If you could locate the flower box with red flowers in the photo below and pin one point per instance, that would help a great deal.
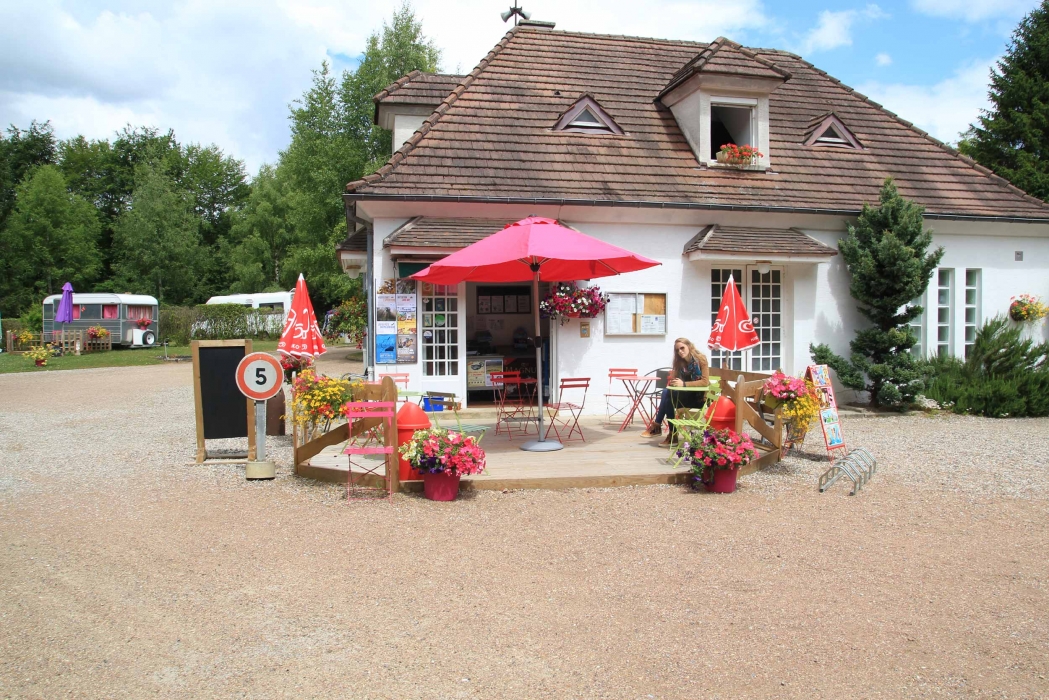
(143, 323)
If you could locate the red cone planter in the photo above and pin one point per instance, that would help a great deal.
(440, 486)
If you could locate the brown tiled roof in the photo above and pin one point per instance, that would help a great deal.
(356, 242)
(727, 58)
(490, 140)
(419, 88)
(739, 240)
(427, 232)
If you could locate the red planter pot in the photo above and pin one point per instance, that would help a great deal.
(41, 363)
(723, 481)
(440, 486)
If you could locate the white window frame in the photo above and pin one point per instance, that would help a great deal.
(919, 350)
(975, 306)
(944, 347)
(736, 102)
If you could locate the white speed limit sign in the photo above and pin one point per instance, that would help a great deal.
(259, 376)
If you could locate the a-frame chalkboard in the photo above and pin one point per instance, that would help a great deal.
(222, 411)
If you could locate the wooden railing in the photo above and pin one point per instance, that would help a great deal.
(68, 342)
(303, 448)
(745, 390)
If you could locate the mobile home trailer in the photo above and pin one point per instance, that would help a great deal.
(120, 314)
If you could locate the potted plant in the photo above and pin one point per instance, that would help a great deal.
(317, 400)
(97, 333)
(1027, 308)
(796, 402)
(731, 154)
(565, 301)
(143, 323)
(443, 456)
(41, 354)
(291, 364)
(715, 458)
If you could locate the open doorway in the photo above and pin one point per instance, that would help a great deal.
(499, 330)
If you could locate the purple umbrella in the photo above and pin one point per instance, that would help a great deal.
(64, 314)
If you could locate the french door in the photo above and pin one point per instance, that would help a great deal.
(763, 295)
(441, 329)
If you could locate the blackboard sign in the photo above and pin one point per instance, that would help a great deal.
(222, 411)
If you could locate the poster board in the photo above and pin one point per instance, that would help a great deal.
(636, 313)
(221, 409)
(396, 322)
(819, 375)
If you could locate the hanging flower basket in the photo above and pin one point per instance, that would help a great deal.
(1027, 308)
(566, 301)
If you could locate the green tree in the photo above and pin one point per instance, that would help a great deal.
(261, 236)
(49, 238)
(20, 151)
(886, 254)
(400, 49)
(1012, 138)
(157, 242)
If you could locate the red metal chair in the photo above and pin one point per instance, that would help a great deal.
(357, 482)
(513, 408)
(565, 414)
(617, 401)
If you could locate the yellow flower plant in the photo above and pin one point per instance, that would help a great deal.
(317, 400)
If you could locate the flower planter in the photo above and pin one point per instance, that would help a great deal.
(440, 486)
(41, 363)
(721, 481)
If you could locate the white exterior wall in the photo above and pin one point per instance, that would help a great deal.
(817, 306)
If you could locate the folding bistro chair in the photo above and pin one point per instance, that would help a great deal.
(401, 380)
(564, 414)
(617, 401)
(357, 481)
(655, 393)
(691, 422)
(440, 402)
(512, 412)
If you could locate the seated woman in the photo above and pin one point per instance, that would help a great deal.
(690, 368)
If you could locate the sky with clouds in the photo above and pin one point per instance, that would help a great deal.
(225, 72)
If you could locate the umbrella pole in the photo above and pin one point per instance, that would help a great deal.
(540, 445)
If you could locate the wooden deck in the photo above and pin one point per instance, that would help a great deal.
(607, 458)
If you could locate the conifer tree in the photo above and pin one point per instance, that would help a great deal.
(886, 254)
(1012, 138)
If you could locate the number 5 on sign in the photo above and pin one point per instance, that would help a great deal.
(259, 376)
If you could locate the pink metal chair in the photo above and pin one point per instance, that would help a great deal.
(359, 482)
(401, 380)
(565, 414)
(617, 401)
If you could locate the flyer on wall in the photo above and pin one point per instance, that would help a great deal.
(386, 348)
(406, 348)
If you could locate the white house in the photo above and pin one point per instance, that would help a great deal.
(617, 137)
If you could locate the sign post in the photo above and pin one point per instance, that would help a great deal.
(259, 377)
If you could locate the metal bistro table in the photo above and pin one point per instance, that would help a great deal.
(636, 389)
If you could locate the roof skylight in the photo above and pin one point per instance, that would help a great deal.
(587, 117)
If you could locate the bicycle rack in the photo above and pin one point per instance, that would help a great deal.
(858, 465)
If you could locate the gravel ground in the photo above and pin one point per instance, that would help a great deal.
(128, 571)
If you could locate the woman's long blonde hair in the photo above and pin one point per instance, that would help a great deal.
(680, 364)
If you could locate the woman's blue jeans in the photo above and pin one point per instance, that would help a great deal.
(668, 403)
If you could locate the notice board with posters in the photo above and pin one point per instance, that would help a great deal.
(819, 375)
(636, 313)
(396, 322)
(222, 411)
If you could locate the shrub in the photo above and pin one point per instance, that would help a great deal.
(1004, 375)
(176, 323)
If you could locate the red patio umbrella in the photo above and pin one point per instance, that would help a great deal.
(301, 335)
(732, 330)
(534, 249)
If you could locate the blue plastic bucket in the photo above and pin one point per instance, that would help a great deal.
(438, 405)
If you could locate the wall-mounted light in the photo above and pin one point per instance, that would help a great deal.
(764, 268)
(351, 263)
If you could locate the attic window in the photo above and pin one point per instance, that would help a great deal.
(832, 132)
(587, 117)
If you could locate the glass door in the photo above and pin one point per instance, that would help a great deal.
(762, 293)
(441, 331)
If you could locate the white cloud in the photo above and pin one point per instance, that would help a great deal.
(225, 72)
(974, 10)
(834, 29)
(944, 109)
(883, 59)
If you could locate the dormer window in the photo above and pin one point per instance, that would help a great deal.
(586, 116)
(829, 130)
(732, 120)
